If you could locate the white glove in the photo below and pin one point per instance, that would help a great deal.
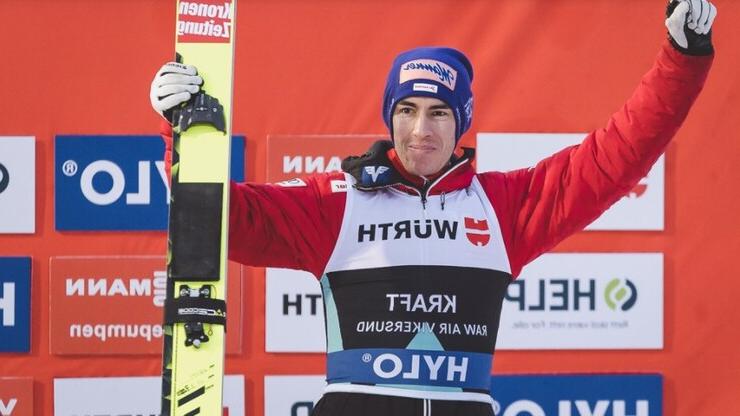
(174, 84)
(696, 15)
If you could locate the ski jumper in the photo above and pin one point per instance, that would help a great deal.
(413, 271)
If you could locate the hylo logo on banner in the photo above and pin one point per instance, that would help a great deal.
(577, 395)
(100, 171)
(520, 395)
(575, 408)
(116, 182)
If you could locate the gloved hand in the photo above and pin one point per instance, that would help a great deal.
(174, 84)
(689, 24)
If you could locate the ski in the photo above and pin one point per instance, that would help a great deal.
(195, 309)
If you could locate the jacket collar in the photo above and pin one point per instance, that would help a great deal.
(380, 167)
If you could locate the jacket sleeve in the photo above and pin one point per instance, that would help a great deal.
(294, 226)
(540, 206)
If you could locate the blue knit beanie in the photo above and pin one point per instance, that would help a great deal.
(442, 73)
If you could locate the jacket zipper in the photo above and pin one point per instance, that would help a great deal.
(429, 185)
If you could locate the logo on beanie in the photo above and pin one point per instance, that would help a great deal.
(469, 109)
(428, 69)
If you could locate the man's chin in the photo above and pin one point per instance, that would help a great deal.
(424, 170)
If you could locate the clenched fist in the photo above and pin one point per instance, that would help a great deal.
(689, 24)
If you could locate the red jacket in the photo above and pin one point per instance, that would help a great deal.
(297, 227)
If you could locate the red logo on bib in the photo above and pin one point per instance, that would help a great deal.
(477, 231)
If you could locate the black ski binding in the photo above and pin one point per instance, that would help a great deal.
(201, 109)
(194, 332)
(195, 308)
(195, 335)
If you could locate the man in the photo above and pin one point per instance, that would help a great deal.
(411, 245)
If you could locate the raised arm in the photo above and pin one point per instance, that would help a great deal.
(540, 206)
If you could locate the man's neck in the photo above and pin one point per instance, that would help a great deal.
(415, 179)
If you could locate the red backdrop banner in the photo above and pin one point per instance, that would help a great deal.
(318, 68)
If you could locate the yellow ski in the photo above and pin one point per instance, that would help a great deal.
(195, 310)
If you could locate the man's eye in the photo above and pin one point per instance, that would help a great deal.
(404, 110)
(440, 113)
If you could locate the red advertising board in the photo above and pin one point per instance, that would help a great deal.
(293, 156)
(113, 305)
(16, 396)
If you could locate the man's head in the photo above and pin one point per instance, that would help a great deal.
(427, 106)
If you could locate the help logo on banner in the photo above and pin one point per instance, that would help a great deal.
(641, 209)
(585, 301)
(561, 301)
(113, 305)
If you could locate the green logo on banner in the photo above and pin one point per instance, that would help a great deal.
(620, 293)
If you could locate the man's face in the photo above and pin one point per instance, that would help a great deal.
(424, 134)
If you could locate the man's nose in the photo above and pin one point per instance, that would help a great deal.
(422, 126)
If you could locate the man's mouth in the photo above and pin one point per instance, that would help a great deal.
(422, 147)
